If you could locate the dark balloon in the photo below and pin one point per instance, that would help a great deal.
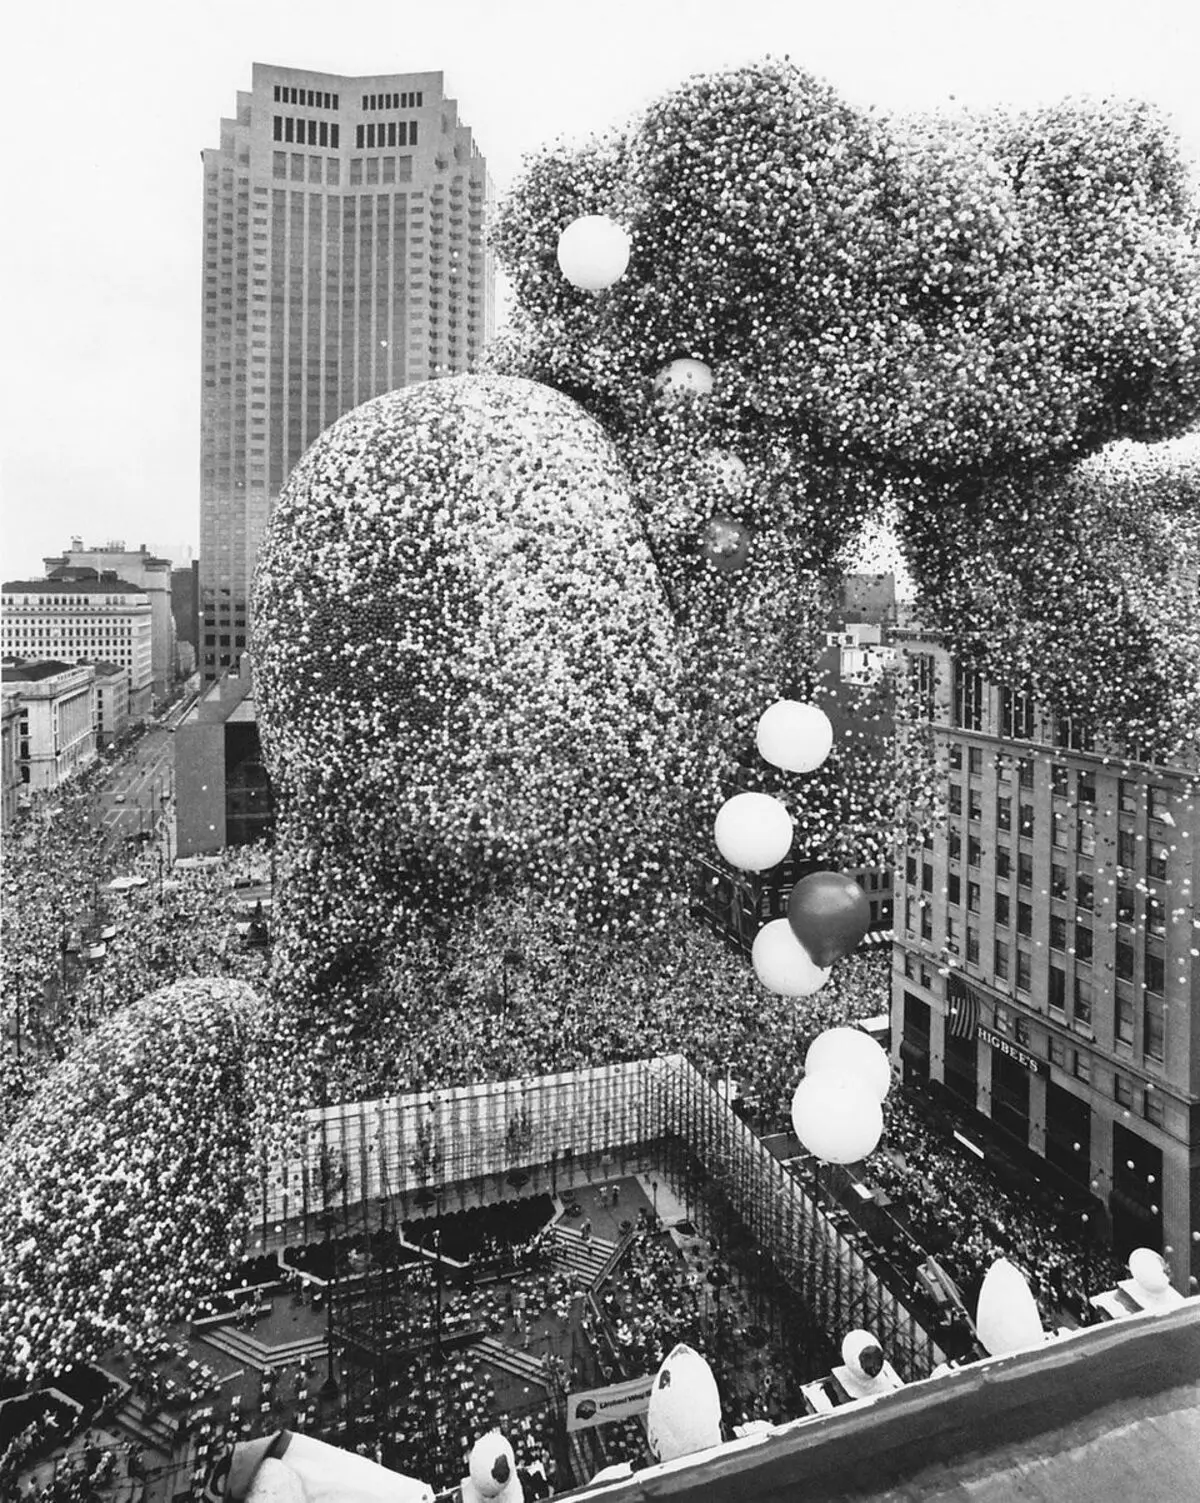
(829, 914)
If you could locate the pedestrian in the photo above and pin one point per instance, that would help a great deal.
(616, 1195)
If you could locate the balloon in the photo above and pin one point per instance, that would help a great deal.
(727, 471)
(1149, 1271)
(862, 1354)
(690, 376)
(275, 1483)
(725, 543)
(851, 1053)
(1006, 1316)
(794, 736)
(492, 1472)
(753, 831)
(837, 1119)
(593, 252)
(684, 1414)
(782, 963)
(829, 914)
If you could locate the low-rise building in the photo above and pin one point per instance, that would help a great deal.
(222, 792)
(56, 720)
(10, 723)
(112, 703)
(92, 620)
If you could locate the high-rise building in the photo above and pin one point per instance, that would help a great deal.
(149, 573)
(88, 620)
(344, 256)
(1047, 962)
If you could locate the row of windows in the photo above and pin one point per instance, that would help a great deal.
(313, 99)
(377, 169)
(386, 133)
(407, 100)
(310, 132)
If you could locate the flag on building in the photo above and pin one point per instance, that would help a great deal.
(962, 1009)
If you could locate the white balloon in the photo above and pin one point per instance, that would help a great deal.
(492, 1471)
(726, 471)
(1006, 1316)
(593, 252)
(858, 1346)
(782, 963)
(753, 831)
(796, 737)
(688, 376)
(837, 1119)
(1149, 1271)
(851, 1053)
(684, 1414)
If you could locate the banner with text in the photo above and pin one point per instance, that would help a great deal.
(597, 1406)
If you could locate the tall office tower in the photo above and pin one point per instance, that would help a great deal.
(344, 256)
(1046, 974)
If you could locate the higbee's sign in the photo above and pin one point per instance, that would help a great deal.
(1022, 1057)
(597, 1406)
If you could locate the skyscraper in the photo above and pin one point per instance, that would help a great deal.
(344, 256)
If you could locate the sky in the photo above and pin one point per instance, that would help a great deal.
(101, 255)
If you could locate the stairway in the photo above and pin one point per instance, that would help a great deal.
(519, 1364)
(249, 1350)
(583, 1255)
(157, 1434)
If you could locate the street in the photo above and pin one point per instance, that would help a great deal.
(135, 788)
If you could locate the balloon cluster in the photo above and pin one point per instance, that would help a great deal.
(942, 316)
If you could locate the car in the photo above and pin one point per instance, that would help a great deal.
(119, 799)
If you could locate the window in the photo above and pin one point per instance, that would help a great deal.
(334, 132)
(1085, 836)
(1124, 1016)
(954, 888)
(1159, 803)
(1024, 869)
(1127, 797)
(973, 896)
(972, 945)
(974, 850)
(1058, 932)
(975, 760)
(1025, 770)
(968, 699)
(1084, 891)
(1002, 913)
(1057, 995)
(955, 753)
(1152, 1028)
(1004, 813)
(910, 870)
(955, 845)
(1152, 1108)
(1083, 1001)
(1154, 972)
(1057, 1052)
(1003, 864)
(1083, 943)
(1156, 914)
(1157, 853)
(926, 923)
(1024, 970)
(1026, 817)
(1058, 830)
(1021, 1028)
(926, 877)
(1124, 960)
(1025, 919)
(1016, 715)
(1058, 881)
(1083, 1066)
(974, 804)
(412, 132)
(1060, 779)
(1122, 1090)
(956, 802)
(1002, 1018)
(1001, 960)
(1126, 849)
(1087, 788)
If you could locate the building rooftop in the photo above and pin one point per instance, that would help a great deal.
(34, 673)
(108, 585)
(1109, 1413)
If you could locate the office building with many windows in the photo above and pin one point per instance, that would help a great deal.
(88, 620)
(1047, 955)
(344, 256)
